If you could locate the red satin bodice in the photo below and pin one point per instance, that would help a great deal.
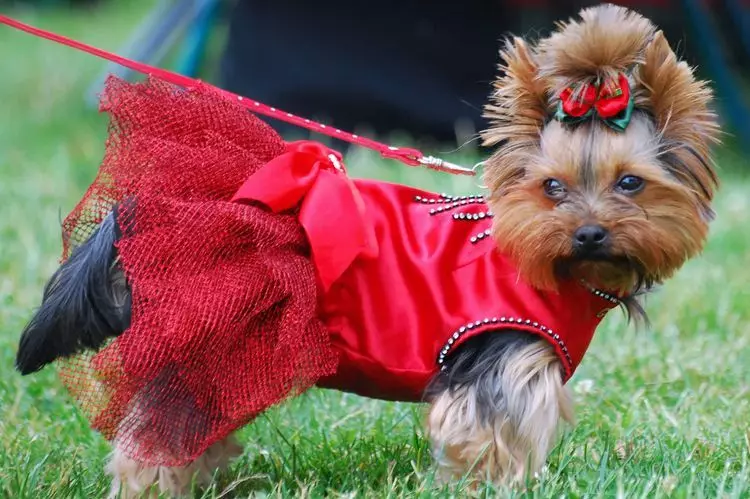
(430, 279)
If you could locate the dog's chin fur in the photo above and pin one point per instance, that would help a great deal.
(496, 409)
(610, 273)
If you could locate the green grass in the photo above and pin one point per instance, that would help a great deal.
(662, 413)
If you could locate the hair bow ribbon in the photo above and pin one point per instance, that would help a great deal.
(611, 101)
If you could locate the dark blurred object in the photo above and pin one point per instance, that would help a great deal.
(394, 64)
(725, 56)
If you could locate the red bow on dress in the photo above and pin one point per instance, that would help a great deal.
(332, 211)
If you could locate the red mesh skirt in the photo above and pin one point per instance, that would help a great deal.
(225, 296)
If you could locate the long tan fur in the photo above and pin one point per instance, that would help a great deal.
(517, 108)
(607, 39)
(680, 105)
(516, 112)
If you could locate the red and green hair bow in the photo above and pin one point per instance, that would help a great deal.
(610, 101)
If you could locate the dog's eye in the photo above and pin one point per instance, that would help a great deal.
(554, 189)
(629, 184)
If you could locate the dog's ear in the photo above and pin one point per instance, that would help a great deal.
(516, 111)
(517, 106)
(680, 104)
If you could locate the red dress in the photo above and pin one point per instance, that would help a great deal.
(259, 269)
(431, 278)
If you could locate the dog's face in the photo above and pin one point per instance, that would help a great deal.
(598, 205)
(616, 208)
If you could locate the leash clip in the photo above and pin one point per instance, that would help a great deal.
(445, 166)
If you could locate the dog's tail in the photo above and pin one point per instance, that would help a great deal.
(86, 301)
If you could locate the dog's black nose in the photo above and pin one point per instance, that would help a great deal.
(589, 238)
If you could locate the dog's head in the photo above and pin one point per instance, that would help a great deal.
(603, 169)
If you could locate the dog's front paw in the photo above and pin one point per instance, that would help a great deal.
(497, 420)
(485, 452)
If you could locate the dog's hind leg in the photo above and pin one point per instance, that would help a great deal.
(163, 424)
(131, 479)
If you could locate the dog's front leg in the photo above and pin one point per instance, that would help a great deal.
(496, 409)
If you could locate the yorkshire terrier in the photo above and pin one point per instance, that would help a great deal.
(617, 199)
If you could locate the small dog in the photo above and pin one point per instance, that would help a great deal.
(602, 174)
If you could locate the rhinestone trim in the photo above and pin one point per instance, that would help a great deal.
(606, 296)
(478, 237)
(448, 207)
(502, 320)
(473, 216)
(445, 198)
(476, 197)
(601, 294)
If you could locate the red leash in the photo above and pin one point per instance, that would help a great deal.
(412, 157)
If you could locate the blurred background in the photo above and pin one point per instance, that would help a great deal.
(419, 70)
